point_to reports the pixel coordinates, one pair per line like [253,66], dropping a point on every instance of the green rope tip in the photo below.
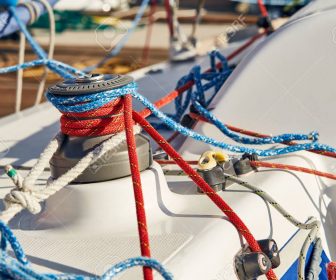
[10,171]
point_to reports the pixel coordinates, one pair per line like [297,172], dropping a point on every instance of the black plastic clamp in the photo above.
[250,265]
[243,165]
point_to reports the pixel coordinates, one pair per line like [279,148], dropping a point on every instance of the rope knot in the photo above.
[314,136]
[25,198]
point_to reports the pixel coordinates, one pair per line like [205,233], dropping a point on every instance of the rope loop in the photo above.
[25,198]
[7,236]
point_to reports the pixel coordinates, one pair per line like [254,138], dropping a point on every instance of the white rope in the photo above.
[42,162]
[22,49]
[19,77]
[312,224]
[52,38]
[32,7]
[311,237]
[28,195]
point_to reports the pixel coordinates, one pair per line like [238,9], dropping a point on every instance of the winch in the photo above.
[115,163]
[90,83]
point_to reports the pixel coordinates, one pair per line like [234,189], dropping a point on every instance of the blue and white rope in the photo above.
[288,137]
[88,102]
[196,96]
[19,268]
[60,68]
[214,78]
[41,62]
[75,104]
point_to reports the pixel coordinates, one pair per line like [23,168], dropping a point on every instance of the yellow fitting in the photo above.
[210,159]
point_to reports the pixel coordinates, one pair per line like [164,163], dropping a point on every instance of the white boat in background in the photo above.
[283,82]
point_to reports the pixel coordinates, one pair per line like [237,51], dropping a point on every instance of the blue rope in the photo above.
[20,268]
[88,102]
[197,98]
[36,48]
[74,104]
[7,236]
[237,149]
[25,65]
[214,78]
[60,68]
[288,137]
[39,62]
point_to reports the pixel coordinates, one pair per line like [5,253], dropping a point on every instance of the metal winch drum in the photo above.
[113,164]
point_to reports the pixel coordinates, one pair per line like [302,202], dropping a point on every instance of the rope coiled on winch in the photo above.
[92,114]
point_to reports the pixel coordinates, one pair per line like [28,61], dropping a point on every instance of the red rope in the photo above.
[199,181]
[331,270]
[262,8]
[293,168]
[246,45]
[106,120]
[259,135]
[137,188]
[175,93]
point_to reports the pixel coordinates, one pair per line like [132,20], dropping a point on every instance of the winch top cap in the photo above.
[90,83]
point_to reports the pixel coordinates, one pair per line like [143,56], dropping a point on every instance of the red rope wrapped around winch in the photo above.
[108,119]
